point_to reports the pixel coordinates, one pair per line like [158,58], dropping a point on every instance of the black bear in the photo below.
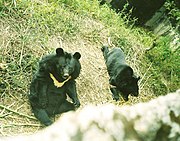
[53,81]
[122,79]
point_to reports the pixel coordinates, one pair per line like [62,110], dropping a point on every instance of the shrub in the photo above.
[165,70]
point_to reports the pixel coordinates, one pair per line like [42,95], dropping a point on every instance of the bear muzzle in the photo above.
[135,94]
[65,76]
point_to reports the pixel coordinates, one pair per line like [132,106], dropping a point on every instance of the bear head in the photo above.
[67,64]
[61,65]
[126,82]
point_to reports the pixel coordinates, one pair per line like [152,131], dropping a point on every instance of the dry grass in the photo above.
[92,85]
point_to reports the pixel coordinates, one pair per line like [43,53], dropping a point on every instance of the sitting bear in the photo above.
[53,81]
[122,80]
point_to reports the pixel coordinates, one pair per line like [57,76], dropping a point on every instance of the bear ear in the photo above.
[112,81]
[136,78]
[77,55]
[59,51]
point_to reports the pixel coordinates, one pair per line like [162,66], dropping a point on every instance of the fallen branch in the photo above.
[23,124]
[21,114]
[2,116]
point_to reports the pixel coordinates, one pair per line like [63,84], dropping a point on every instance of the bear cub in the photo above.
[122,79]
[53,81]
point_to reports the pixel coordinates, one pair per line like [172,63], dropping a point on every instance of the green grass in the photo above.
[166,64]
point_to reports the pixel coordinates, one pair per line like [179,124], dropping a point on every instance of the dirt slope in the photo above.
[92,85]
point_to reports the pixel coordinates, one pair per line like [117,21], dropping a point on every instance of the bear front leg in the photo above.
[65,107]
[42,116]
[115,93]
[42,94]
[72,93]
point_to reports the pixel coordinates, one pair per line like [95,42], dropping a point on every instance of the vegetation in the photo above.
[173,12]
[165,70]
[32,28]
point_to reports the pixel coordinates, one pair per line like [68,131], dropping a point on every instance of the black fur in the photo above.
[122,79]
[45,98]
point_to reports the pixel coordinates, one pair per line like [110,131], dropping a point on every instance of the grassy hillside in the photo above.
[30,29]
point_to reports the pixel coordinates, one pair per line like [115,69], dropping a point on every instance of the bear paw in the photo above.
[115,98]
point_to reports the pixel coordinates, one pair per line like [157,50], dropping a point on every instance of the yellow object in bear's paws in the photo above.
[57,83]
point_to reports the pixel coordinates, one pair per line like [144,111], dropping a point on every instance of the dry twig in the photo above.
[22,124]
[21,114]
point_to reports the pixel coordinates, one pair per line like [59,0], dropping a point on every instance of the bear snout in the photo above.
[66,75]
[135,94]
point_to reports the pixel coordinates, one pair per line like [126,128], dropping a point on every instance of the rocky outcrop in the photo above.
[157,120]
